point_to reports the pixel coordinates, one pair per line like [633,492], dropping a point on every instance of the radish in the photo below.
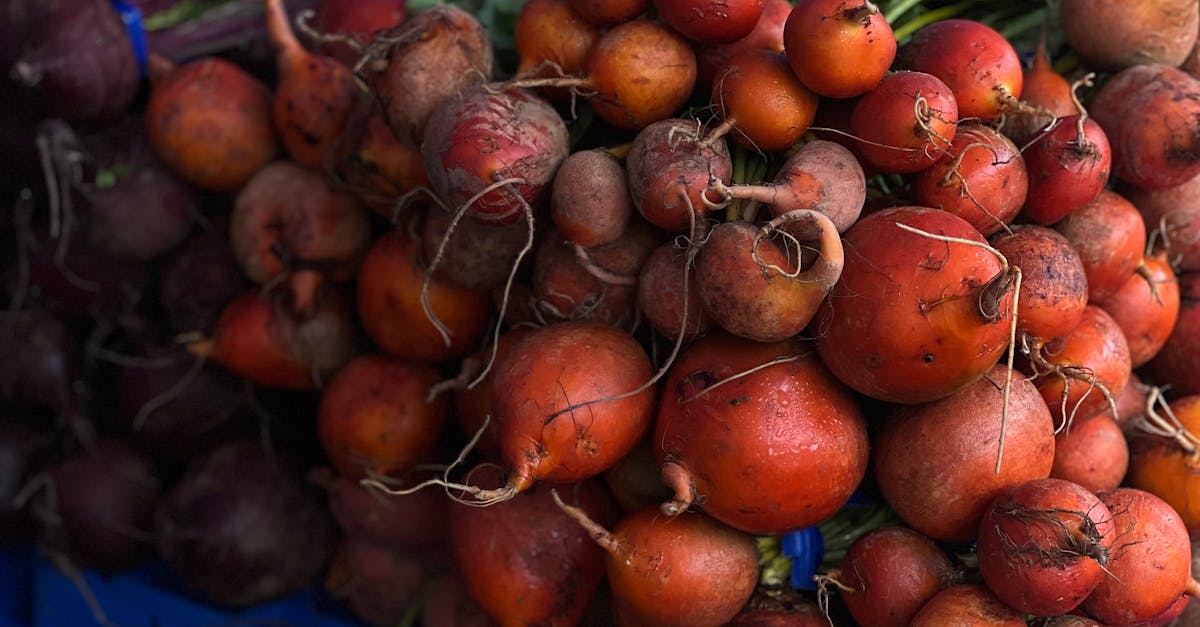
[978,64]
[1111,35]
[734,409]
[838,48]
[912,318]
[936,463]
[421,62]
[688,570]
[981,179]
[1043,545]
[314,94]
[906,122]
[210,122]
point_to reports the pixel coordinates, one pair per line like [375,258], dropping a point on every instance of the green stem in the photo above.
[1066,63]
[179,13]
[893,12]
[936,15]
[1015,28]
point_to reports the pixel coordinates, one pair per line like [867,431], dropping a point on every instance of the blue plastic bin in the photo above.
[151,596]
[16,586]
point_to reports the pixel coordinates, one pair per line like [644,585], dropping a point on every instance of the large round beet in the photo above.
[766,450]
[936,463]
[241,527]
[912,318]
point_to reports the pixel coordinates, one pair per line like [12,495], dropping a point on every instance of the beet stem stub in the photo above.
[680,482]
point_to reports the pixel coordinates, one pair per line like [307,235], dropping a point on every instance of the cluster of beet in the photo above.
[555,347]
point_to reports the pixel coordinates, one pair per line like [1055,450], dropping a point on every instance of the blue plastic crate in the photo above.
[151,596]
[16,586]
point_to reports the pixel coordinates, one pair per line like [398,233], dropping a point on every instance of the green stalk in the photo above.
[936,15]
[179,13]
[895,11]
[1022,25]
[734,210]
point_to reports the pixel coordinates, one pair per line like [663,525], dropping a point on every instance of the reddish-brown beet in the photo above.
[1151,114]
[389,304]
[1111,239]
[751,281]
[1067,169]
[662,282]
[720,435]
[981,179]
[913,319]
[936,463]
[1054,286]
[758,96]
[906,122]
[710,21]
[889,573]
[210,122]
[1092,453]
[1146,308]
[1172,219]
[314,94]
[1077,374]
[589,199]
[1043,546]
[546,569]
[552,40]
[1177,363]
[979,65]
[378,585]
[669,169]
[967,604]
[685,571]
[1168,467]
[261,337]
[767,34]
[641,72]
[1151,559]
[1113,34]
[413,522]
[357,20]
[372,163]
[558,407]
[287,221]
[424,60]
[374,419]
[838,49]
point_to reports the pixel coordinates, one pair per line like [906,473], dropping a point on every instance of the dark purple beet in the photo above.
[241,527]
[197,280]
[177,407]
[20,22]
[39,361]
[134,206]
[96,507]
[81,62]
[20,444]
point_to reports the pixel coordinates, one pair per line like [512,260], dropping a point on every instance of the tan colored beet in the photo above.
[1115,34]
[589,200]
[936,462]
[427,58]
[777,449]
[661,297]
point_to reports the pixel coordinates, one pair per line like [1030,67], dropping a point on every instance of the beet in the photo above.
[96,508]
[39,361]
[377,584]
[20,444]
[410,522]
[81,62]
[196,282]
[242,528]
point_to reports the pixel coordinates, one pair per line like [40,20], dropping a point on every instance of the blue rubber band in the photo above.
[132,19]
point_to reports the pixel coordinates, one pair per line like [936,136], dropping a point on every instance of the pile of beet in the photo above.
[610,311]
